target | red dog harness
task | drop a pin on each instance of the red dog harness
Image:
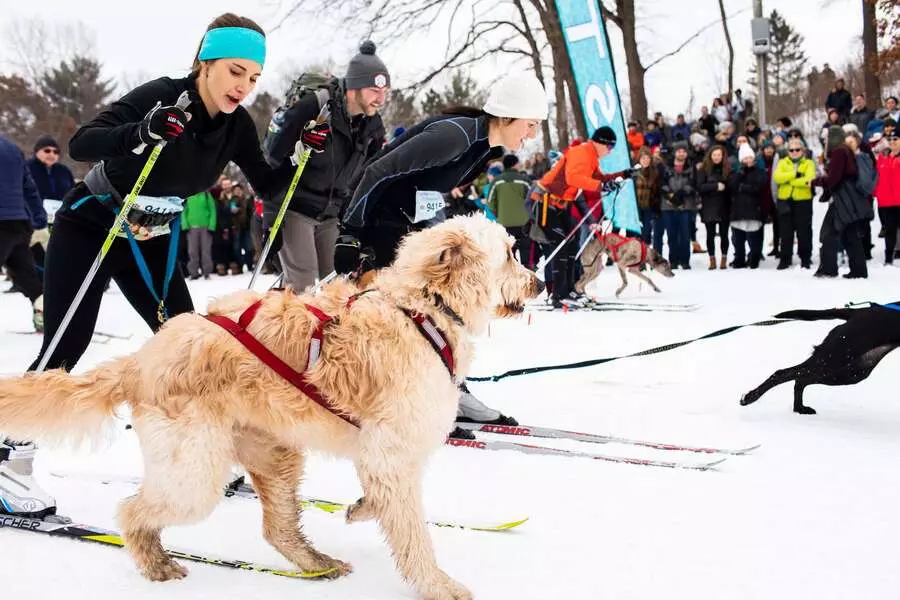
(614, 249)
(423, 323)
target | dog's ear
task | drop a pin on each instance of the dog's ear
(456, 256)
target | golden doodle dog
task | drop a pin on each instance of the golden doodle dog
(201, 401)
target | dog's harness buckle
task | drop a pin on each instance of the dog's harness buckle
(435, 337)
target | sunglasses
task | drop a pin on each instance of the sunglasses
(793, 150)
(50, 150)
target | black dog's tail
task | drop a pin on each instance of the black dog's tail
(818, 315)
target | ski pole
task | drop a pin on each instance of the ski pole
(183, 102)
(301, 164)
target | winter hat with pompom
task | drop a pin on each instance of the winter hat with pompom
(366, 70)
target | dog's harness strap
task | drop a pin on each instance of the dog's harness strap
(435, 337)
(614, 250)
(892, 306)
(295, 378)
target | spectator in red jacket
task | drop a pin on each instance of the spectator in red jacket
(888, 195)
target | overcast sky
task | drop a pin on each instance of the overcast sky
(138, 40)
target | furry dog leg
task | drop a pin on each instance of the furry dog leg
(391, 474)
(624, 281)
(185, 468)
(276, 472)
(637, 273)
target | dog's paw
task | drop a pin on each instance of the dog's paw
(165, 571)
(323, 562)
(804, 410)
(360, 511)
(450, 590)
(747, 400)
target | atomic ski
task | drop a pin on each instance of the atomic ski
(241, 489)
(531, 449)
(89, 533)
(561, 434)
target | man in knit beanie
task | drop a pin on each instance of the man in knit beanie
(341, 146)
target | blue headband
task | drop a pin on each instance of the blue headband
(233, 42)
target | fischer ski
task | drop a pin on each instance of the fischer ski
(561, 434)
(532, 449)
(89, 533)
(241, 489)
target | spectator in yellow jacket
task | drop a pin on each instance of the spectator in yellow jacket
(794, 175)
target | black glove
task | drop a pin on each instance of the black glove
(315, 137)
(347, 254)
(162, 123)
(799, 175)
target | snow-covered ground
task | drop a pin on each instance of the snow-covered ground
(811, 514)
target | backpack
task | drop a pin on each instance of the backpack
(310, 82)
(867, 178)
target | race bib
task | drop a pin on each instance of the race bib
(149, 216)
(428, 205)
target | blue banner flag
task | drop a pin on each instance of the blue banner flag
(595, 78)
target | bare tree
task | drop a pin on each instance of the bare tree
(32, 55)
(870, 50)
(730, 47)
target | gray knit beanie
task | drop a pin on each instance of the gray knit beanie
(366, 70)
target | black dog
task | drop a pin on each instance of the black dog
(846, 356)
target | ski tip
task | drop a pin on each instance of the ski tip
(711, 465)
(746, 450)
(489, 528)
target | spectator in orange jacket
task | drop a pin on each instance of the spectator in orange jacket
(635, 139)
(578, 171)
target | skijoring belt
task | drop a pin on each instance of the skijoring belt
(298, 379)
(148, 216)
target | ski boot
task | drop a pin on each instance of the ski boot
(20, 495)
(471, 410)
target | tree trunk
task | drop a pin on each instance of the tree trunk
(536, 64)
(625, 20)
(730, 48)
(870, 53)
(553, 31)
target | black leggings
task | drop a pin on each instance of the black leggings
(711, 237)
(72, 249)
(890, 220)
(15, 239)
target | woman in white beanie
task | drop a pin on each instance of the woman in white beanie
(397, 191)
(402, 188)
(747, 185)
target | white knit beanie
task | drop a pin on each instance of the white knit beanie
(518, 96)
(745, 151)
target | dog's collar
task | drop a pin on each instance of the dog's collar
(441, 305)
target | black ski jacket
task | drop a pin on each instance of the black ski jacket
(438, 154)
(186, 166)
(327, 181)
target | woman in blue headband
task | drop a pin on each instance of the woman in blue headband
(208, 130)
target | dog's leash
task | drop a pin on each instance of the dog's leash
(599, 361)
